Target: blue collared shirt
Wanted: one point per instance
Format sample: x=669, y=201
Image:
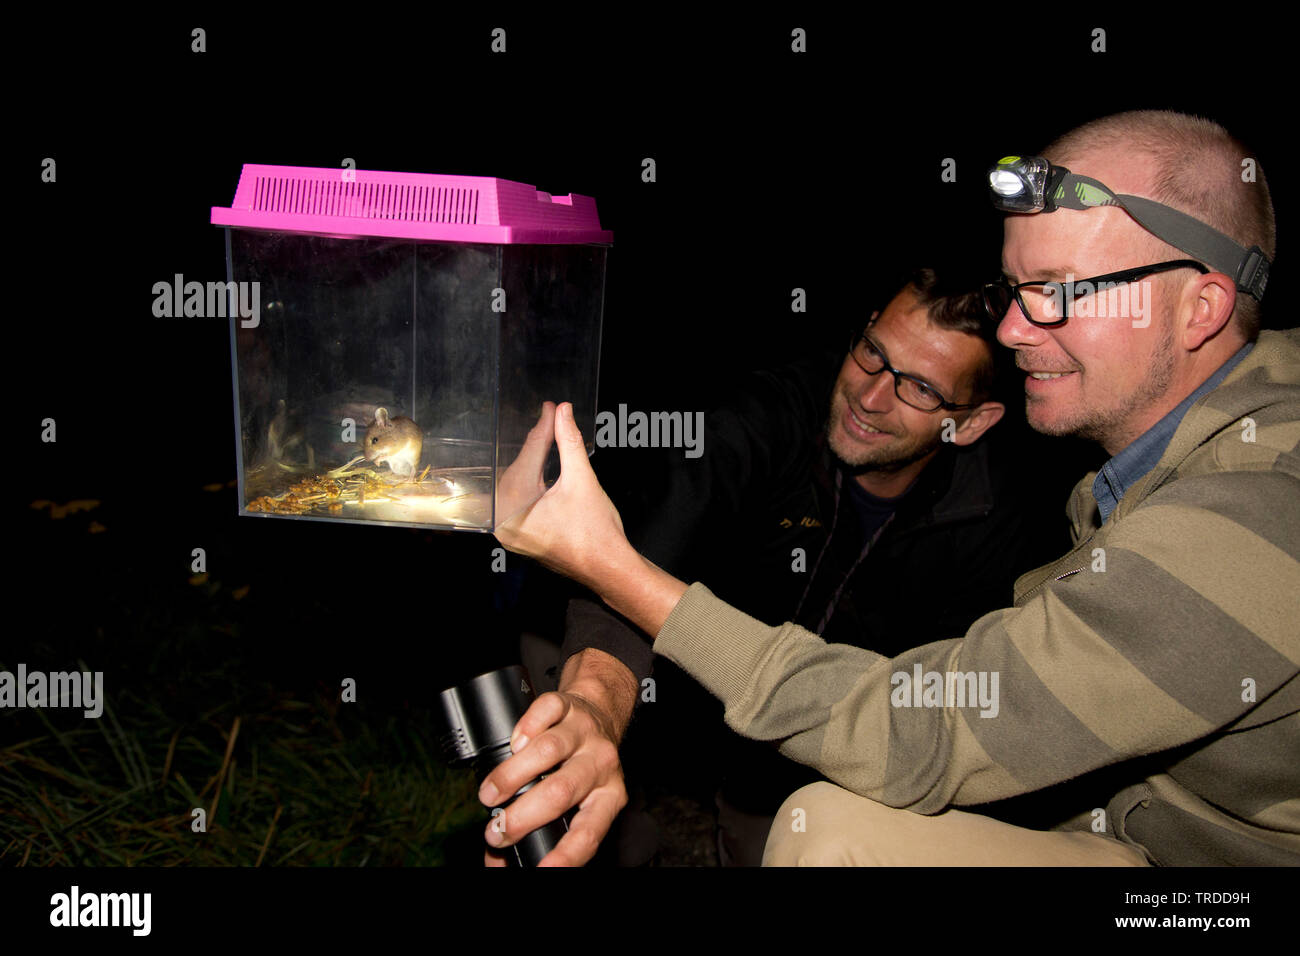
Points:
x=1128, y=467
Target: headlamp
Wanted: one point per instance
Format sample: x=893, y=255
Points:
x=1019, y=185
x=1031, y=184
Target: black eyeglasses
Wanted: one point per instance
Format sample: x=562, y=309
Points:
x=1048, y=300
x=911, y=390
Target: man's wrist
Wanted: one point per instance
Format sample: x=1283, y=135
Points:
x=609, y=572
x=641, y=591
x=605, y=684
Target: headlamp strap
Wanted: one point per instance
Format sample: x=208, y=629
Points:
x=1248, y=267
x=1067, y=190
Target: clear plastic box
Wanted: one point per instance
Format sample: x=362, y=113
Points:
x=401, y=336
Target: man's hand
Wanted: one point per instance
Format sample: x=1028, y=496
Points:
x=522, y=483
x=572, y=735
x=573, y=528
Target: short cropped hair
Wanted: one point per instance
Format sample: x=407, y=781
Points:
x=1197, y=168
x=958, y=306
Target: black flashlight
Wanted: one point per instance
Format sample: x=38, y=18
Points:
x=479, y=717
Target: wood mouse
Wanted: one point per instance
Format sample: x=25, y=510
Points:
x=395, y=441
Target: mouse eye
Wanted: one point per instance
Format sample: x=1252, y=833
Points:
x=375, y=440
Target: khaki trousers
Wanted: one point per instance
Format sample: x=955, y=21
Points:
x=825, y=825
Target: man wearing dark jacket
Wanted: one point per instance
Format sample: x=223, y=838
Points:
x=889, y=524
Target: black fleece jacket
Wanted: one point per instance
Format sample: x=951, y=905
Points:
x=753, y=516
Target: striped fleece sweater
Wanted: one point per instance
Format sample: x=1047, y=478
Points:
x=1160, y=656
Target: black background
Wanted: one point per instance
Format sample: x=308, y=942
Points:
x=774, y=171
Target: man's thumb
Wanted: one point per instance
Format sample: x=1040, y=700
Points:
x=568, y=438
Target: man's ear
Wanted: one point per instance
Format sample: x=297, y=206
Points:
x=1213, y=297
x=979, y=420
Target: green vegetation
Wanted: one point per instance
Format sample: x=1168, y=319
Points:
x=303, y=783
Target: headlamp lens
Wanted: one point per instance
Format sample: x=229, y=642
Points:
x=1018, y=183
x=1005, y=183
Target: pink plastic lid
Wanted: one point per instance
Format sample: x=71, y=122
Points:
x=350, y=203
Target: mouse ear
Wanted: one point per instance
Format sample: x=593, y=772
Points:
x=381, y=417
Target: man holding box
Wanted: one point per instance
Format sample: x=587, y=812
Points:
x=1156, y=665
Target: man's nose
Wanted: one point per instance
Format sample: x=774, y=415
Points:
x=1016, y=331
x=877, y=392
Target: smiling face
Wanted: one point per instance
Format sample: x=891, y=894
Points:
x=1105, y=374
x=870, y=428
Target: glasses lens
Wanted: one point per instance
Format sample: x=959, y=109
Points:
x=1046, y=303
x=997, y=299
x=918, y=395
x=867, y=356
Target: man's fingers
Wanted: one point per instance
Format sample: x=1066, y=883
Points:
x=543, y=803
x=567, y=742
x=568, y=438
x=532, y=457
x=545, y=712
x=547, y=745
x=523, y=482
x=545, y=427
x=590, y=825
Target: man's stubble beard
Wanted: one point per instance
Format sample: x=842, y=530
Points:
x=1104, y=425
x=861, y=460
